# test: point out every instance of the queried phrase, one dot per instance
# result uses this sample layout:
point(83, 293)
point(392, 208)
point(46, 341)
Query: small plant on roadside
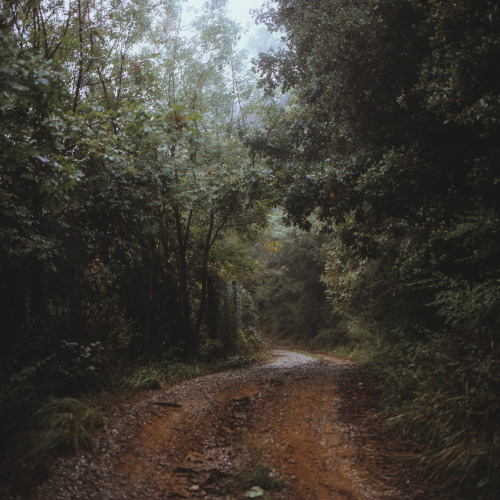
point(258, 475)
point(251, 476)
point(250, 472)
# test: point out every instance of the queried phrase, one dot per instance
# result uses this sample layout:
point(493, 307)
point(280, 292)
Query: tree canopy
point(125, 191)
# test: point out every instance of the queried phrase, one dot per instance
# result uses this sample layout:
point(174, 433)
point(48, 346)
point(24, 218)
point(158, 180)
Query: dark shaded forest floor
point(295, 427)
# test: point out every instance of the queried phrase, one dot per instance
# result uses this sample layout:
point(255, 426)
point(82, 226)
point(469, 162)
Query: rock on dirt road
point(295, 427)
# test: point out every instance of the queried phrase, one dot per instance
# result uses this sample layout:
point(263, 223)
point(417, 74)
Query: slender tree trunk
point(184, 289)
point(212, 307)
point(204, 275)
point(13, 303)
point(79, 78)
point(37, 295)
point(149, 306)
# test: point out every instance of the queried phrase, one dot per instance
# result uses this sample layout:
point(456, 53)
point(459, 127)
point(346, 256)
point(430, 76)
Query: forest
point(164, 204)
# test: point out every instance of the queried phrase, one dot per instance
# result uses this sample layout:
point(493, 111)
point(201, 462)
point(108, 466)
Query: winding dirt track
point(292, 428)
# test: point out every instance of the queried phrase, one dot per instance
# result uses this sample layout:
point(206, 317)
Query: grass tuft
point(60, 427)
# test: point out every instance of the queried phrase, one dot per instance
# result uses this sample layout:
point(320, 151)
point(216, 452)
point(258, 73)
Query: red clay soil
point(292, 428)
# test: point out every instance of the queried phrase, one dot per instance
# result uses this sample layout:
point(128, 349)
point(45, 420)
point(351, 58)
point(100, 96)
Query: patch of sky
point(254, 38)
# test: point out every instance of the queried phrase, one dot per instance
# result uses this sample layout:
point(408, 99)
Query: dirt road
point(292, 428)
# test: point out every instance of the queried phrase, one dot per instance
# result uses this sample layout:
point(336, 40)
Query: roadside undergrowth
point(161, 375)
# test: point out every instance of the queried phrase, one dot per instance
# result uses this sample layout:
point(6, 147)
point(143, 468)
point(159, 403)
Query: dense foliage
point(392, 130)
point(287, 284)
point(124, 194)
